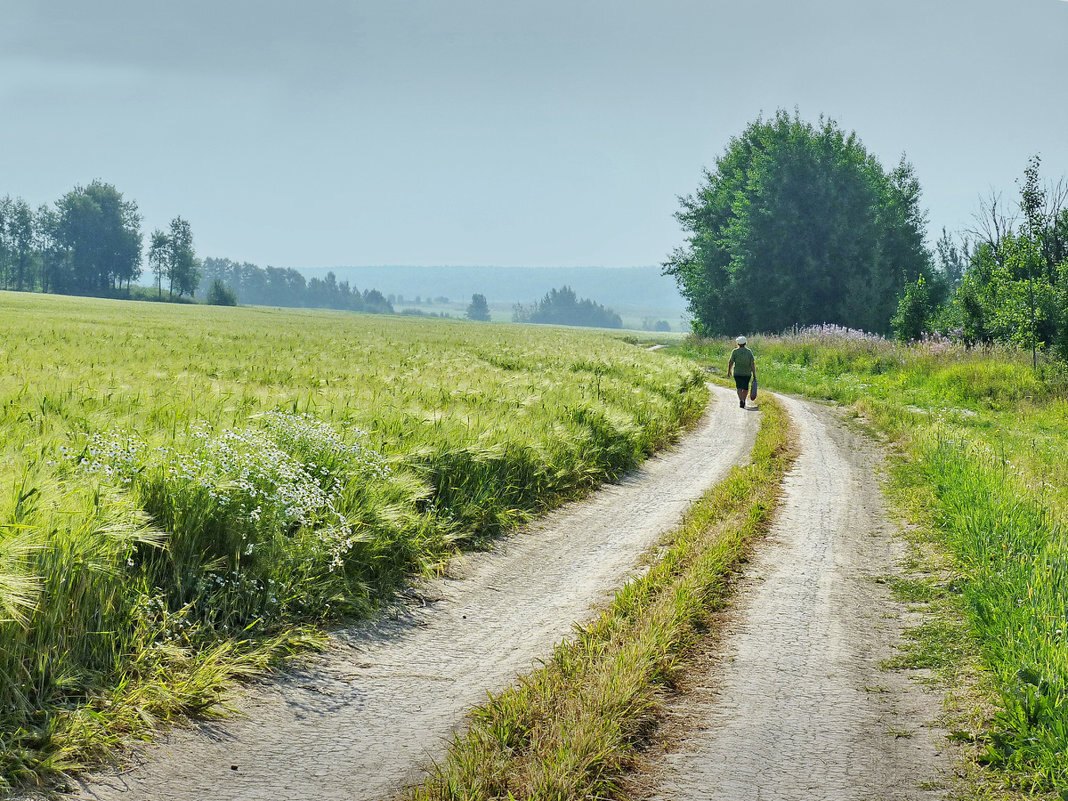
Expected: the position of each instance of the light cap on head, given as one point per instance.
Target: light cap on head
(740, 340)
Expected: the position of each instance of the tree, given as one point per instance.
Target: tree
(18, 244)
(49, 251)
(5, 245)
(99, 234)
(159, 257)
(478, 308)
(219, 294)
(1032, 201)
(1012, 291)
(563, 307)
(952, 260)
(798, 224)
(913, 311)
(182, 265)
(22, 239)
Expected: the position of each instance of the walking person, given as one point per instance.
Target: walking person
(743, 366)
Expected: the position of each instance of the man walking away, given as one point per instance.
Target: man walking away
(743, 366)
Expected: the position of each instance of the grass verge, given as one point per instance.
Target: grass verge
(570, 729)
(980, 474)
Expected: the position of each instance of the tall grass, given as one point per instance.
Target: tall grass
(984, 438)
(184, 488)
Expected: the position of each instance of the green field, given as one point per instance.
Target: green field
(184, 490)
(980, 442)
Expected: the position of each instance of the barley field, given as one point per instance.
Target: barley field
(183, 490)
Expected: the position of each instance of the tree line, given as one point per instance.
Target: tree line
(798, 225)
(1004, 281)
(563, 307)
(284, 286)
(89, 242)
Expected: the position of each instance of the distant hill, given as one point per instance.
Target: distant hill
(620, 288)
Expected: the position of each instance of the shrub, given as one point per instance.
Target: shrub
(219, 294)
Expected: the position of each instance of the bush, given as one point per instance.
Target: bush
(219, 294)
(913, 309)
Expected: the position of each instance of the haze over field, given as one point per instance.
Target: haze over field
(476, 132)
(622, 288)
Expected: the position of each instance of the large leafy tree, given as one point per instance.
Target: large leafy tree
(99, 234)
(798, 224)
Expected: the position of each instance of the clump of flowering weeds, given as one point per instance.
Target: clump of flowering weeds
(262, 521)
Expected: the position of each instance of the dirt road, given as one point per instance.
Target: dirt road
(359, 721)
(794, 705)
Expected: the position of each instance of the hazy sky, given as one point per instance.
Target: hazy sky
(506, 132)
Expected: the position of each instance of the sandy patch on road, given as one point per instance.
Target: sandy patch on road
(792, 702)
(360, 720)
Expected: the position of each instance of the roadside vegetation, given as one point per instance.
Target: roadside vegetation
(571, 729)
(188, 493)
(980, 438)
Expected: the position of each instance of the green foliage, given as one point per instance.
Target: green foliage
(275, 286)
(19, 260)
(984, 438)
(913, 311)
(1060, 310)
(563, 307)
(1013, 291)
(182, 265)
(97, 235)
(952, 260)
(90, 244)
(478, 309)
(182, 481)
(219, 294)
(797, 225)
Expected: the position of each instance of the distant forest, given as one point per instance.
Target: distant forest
(563, 307)
(89, 242)
(640, 290)
(282, 286)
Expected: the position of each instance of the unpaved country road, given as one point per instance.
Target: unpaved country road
(794, 705)
(360, 721)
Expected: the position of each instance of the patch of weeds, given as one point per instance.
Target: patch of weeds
(914, 591)
(936, 644)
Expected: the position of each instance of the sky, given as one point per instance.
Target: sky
(503, 132)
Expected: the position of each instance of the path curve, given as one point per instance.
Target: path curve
(362, 719)
(794, 703)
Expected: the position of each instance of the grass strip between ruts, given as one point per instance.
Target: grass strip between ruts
(978, 473)
(571, 728)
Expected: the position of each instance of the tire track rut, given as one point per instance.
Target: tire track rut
(360, 720)
(794, 703)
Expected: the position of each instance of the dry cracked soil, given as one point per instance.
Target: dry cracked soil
(364, 718)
